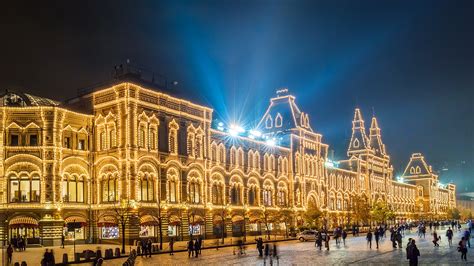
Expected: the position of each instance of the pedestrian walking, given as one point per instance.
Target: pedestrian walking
(196, 247)
(326, 241)
(449, 235)
(369, 239)
(467, 237)
(393, 238)
(377, 237)
(190, 248)
(413, 253)
(344, 236)
(463, 249)
(149, 247)
(62, 240)
(9, 253)
(171, 246)
(399, 239)
(319, 240)
(435, 239)
(260, 247)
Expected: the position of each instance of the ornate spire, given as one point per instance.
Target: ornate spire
(376, 138)
(359, 141)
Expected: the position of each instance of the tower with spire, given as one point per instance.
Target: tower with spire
(375, 138)
(359, 142)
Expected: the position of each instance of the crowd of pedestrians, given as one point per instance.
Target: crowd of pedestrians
(194, 247)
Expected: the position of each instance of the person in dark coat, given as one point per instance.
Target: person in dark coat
(171, 246)
(190, 248)
(196, 247)
(369, 239)
(435, 239)
(319, 240)
(463, 249)
(377, 237)
(260, 247)
(413, 253)
(449, 235)
(10, 253)
(344, 236)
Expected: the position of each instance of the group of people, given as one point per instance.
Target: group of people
(323, 237)
(48, 258)
(19, 243)
(145, 247)
(340, 234)
(194, 247)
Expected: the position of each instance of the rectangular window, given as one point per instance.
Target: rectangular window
(67, 142)
(33, 140)
(14, 140)
(14, 190)
(64, 194)
(35, 191)
(81, 145)
(25, 190)
(72, 191)
(80, 191)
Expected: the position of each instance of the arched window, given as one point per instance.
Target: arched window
(217, 194)
(214, 152)
(24, 189)
(191, 147)
(278, 120)
(356, 143)
(112, 137)
(141, 137)
(172, 186)
(256, 160)
(194, 192)
(147, 189)
(72, 189)
(109, 189)
(152, 139)
(173, 137)
(235, 194)
(268, 122)
(103, 141)
(241, 157)
(198, 144)
(252, 194)
(412, 170)
(281, 197)
(233, 156)
(267, 197)
(221, 153)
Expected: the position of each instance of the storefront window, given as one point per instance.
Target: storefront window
(110, 232)
(172, 230)
(147, 231)
(69, 235)
(195, 229)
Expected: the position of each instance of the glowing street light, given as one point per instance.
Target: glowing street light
(235, 130)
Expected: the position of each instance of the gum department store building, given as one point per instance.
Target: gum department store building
(80, 160)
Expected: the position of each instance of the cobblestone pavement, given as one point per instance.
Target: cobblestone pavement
(355, 252)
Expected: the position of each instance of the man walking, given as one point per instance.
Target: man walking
(449, 235)
(369, 239)
(171, 246)
(377, 237)
(260, 247)
(344, 236)
(190, 248)
(413, 253)
(10, 253)
(467, 237)
(463, 249)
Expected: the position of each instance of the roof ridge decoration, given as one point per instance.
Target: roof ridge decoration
(417, 166)
(288, 113)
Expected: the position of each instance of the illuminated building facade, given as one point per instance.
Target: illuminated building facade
(79, 161)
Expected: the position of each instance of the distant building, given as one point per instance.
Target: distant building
(125, 144)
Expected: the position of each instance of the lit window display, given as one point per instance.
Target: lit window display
(195, 229)
(69, 235)
(172, 230)
(147, 231)
(110, 232)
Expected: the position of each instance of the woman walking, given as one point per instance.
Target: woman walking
(463, 249)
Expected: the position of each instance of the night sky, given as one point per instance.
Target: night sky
(409, 62)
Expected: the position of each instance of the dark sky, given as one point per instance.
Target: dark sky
(409, 62)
